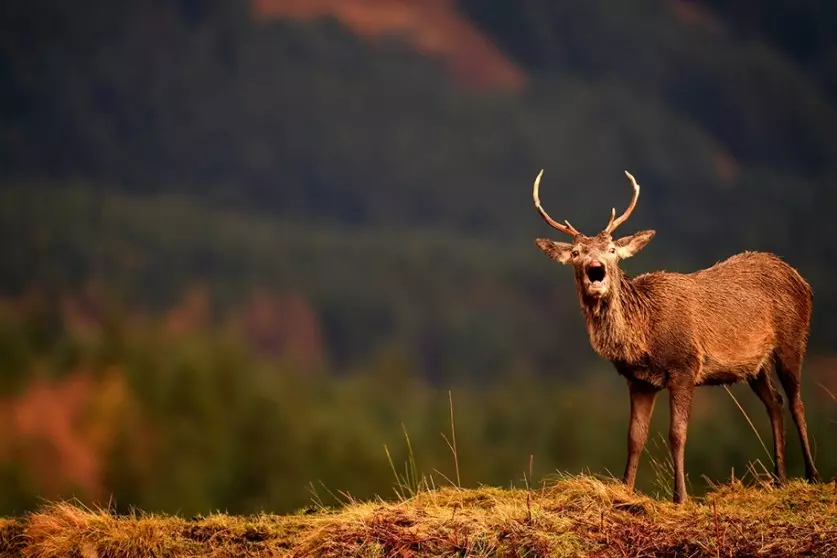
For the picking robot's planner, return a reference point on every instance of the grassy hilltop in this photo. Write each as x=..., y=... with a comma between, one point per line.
x=573, y=516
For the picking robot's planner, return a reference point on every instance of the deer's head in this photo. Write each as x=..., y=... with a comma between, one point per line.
x=595, y=259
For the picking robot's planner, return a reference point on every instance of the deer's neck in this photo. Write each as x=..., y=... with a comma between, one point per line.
x=615, y=324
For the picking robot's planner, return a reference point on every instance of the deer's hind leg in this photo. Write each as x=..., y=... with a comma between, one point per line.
x=772, y=399
x=789, y=369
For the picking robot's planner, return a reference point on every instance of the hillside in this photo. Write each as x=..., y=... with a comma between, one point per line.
x=344, y=116
x=573, y=516
x=434, y=27
x=246, y=245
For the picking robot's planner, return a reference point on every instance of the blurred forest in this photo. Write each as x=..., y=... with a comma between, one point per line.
x=243, y=243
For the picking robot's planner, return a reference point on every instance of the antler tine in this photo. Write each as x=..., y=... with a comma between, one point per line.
x=614, y=223
x=612, y=217
x=568, y=229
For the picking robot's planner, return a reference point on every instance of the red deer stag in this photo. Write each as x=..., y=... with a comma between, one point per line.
x=731, y=322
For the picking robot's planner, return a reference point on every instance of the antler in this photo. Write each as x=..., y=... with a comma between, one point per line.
x=613, y=223
x=569, y=229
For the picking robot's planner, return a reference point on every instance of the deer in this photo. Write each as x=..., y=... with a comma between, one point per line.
x=732, y=322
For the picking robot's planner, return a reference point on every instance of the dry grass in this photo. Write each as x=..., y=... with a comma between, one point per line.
x=572, y=516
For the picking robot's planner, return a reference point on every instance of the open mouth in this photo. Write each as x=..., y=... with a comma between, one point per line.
x=595, y=273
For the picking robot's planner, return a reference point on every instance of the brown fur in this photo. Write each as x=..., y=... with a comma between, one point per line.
x=728, y=323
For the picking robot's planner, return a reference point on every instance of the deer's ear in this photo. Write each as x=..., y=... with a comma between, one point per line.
x=558, y=251
x=629, y=245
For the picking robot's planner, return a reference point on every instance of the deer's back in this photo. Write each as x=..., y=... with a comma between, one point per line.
x=751, y=287
x=733, y=315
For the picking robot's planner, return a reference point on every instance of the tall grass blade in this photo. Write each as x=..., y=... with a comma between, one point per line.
x=453, y=438
x=746, y=416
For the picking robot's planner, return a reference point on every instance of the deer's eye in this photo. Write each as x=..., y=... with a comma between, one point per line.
x=575, y=253
x=612, y=249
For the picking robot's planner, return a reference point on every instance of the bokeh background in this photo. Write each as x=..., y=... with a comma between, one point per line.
x=247, y=245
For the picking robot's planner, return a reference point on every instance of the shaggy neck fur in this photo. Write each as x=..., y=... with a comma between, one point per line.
x=613, y=322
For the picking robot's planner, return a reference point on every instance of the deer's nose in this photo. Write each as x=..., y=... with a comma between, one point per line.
x=595, y=263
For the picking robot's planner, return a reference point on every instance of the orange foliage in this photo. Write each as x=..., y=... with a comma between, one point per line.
x=281, y=326
x=193, y=314
x=65, y=429
x=83, y=311
x=277, y=326
x=696, y=15
x=433, y=27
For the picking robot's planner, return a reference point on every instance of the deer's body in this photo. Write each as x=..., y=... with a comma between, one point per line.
x=735, y=321
x=724, y=323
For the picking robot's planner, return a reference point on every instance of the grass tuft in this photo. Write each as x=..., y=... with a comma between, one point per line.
x=570, y=516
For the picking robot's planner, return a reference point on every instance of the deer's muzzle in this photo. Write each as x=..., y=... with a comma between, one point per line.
x=595, y=271
x=595, y=279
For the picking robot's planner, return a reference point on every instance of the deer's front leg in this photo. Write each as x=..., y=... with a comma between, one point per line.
x=642, y=405
x=680, y=400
